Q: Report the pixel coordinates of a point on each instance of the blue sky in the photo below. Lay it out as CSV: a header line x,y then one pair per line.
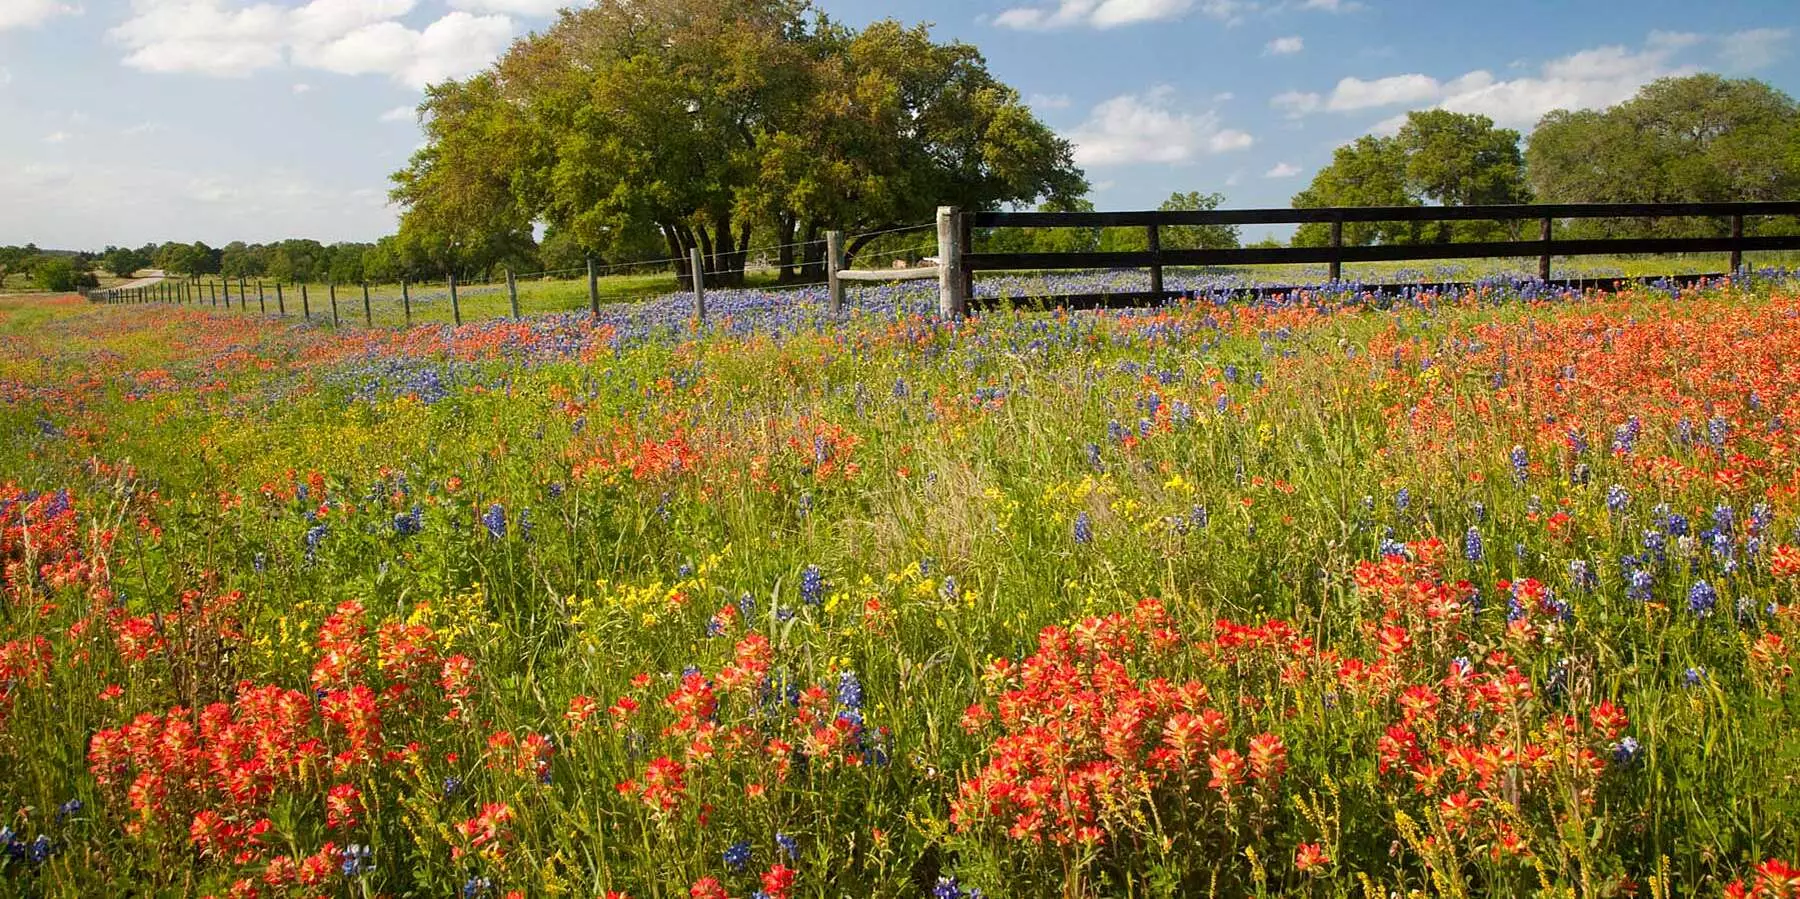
x,y
127,121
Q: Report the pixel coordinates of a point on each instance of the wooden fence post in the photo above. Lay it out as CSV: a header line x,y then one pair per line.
x,y
305,303
1156,268
455,303
834,263
593,289
406,301
212,290
331,288
697,265
1737,243
1544,260
368,311
225,288
243,297
280,301
953,286
512,293
262,299
1337,244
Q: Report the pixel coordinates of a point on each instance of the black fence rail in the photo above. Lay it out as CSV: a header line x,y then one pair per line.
x,y
964,265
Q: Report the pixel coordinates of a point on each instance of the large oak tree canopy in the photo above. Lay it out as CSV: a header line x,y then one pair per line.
x,y
710,123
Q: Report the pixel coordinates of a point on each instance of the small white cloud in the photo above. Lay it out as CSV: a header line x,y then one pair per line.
x,y
1354,93
400,114
1332,5
1297,103
1114,13
5,76
1224,97
141,128
56,137
535,8
1282,170
1758,48
1048,101
1673,39
1137,128
302,88
1284,46
27,13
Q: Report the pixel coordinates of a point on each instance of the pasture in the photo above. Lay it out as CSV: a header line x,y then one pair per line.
x,y
1454,595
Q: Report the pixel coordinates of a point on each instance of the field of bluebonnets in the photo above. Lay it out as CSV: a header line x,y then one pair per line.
x,y
1493,593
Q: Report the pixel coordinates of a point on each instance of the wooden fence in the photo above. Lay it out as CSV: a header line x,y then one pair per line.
x,y
956,229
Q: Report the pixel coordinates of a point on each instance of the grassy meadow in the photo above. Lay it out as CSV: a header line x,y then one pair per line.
x,y
1455,595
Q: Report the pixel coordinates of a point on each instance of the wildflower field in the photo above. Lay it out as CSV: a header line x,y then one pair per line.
x,y
1490,594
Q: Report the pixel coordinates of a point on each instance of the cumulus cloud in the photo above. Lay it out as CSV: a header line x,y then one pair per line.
x,y
348,37
399,114
1757,48
1114,13
1148,128
1048,101
1284,46
56,137
1282,170
26,13
1600,76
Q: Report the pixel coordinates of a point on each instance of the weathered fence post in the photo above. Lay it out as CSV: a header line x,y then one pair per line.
x,y
305,303
262,299
1737,243
834,263
406,301
1154,234
512,293
697,265
368,311
953,286
1544,260
1337,246
225,288
280,301
212,290
455,303
593,289
331,288
243,296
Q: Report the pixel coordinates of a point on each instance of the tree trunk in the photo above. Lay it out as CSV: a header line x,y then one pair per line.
x,y
813,268
784,232
684,279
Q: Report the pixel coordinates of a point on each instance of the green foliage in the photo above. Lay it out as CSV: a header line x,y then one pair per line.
x,y
1441,157
60,274
1697,139
123,262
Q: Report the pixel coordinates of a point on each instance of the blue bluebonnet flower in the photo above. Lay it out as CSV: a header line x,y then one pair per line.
x,y
900,390
1762,517
1618,499
1084,529
805,504
1093,456
1578,443
1581,474
1684,432
950,590
495,520
1717,429
476,887
1472,548
1199,518
452,786
556,490
788,845
1402,499
1392,547
1702,598
1582,575
1638,584
849,691
1480,510
1521,464
738,856
746,605
1724,518
948,888
1656,543
783,613
524,524
259,562
69,809
356,860
1223,403
1231,373
1676,524
1694,677
314,536
1626,752
407,524
1115,431
812,585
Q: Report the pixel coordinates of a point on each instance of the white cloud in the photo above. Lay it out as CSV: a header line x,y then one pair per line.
x,y
1282,170
1354,93
5,76
1114,13
1048,101
56,137
141,128
302,88
535,8
1601,76
26,13
1746,51
1332,5
347,37
1139,128
399,114
1284,46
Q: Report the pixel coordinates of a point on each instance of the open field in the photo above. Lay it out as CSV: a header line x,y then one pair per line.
x,y
1468,595
540,296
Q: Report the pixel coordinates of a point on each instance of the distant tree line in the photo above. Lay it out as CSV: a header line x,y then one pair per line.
x,y
1701,138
